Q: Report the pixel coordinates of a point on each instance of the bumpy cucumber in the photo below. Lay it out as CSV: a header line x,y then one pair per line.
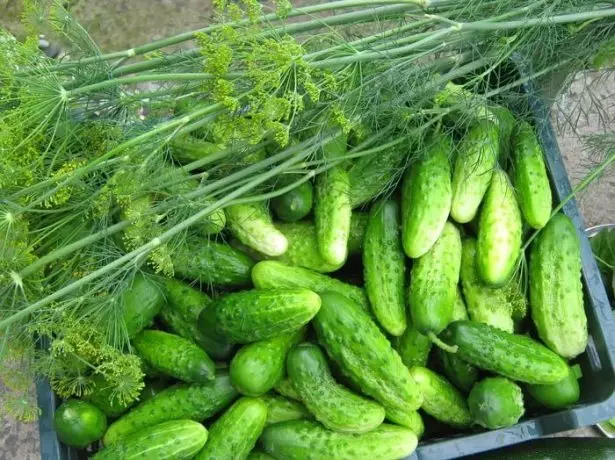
x,y
559,395
556,292
332,404
102,396
530,177
514,356
507,124
301,439
140,303
250,316
433,282
496,402
175,356
364,354
384,267
287,389
258,455
413,347
196,401
235,433
411,420
426,198
499,232
176,439
474,165
281,409
186,149
441,399
252,225
270,274
332,213
295,204
259,366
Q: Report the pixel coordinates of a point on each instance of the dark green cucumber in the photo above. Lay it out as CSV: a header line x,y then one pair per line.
x,y
252,225
281,409
411,420
498,246
287,389
556,292
332,404
175,356
514,356
140,303
441,399
254,315
295,204
364,354
152,388
78,423
507,124
559,395
103,397
413,347
301,439
426,198
176,439
195,401
496,402
217,341
384,267
259,366
530,177
235,433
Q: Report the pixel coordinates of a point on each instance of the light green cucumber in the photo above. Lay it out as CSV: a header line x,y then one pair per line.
x,y
287,389
252,225
413,347
411,420
140,303
496,402
281,409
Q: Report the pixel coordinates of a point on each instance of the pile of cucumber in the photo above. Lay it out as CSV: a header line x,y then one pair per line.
x,y
295,359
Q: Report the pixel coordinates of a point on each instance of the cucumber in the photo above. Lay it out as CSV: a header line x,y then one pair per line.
x,y
152,388
196,401
364,354
498,246
476,158
175,356
433,282
270,274
412,420
176,439
302,439
140,303
332,404
556,292
332,212
413,347
103,397
485,304
559,395
530,177
212,263
295,204
426,198
78,423
507,124
514,356
254,315
287,389
252,225
441,399
259,366
186,149
235,433
384,267
258,455
281,409
496,402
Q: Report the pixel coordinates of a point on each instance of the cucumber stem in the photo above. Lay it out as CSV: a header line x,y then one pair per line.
x,y
440,344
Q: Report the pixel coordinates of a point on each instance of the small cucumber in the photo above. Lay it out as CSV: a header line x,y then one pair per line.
x,y
281,409
302,439
558,396
477,156
254,315
332,212
78,423
514,356
441,399
412,420
259,366
530,177
176,439
556,292
295,204
140,303
384,267
413,347
175,356
426,198
332,404
235,433
498,246
103,397
252,225
186,149
287,389
496,402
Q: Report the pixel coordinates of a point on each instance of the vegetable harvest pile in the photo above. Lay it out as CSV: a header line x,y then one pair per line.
x,y
320,232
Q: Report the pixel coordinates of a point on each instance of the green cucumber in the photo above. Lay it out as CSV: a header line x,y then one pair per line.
x,y
426,198
332,404
411,419
252,225
186,149
498,246
259,366
176,439
556,292
78,423
413,347
295,204
514,356
302,439
287,389
103,397
254,315
194,401
258,455
281,409
152,388
507,124
384,267
476,158
530,177
140,303
364,354
559,395
332,212
441,399
235,433
496,402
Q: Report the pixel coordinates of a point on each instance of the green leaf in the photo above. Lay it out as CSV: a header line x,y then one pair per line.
x,y
606,56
